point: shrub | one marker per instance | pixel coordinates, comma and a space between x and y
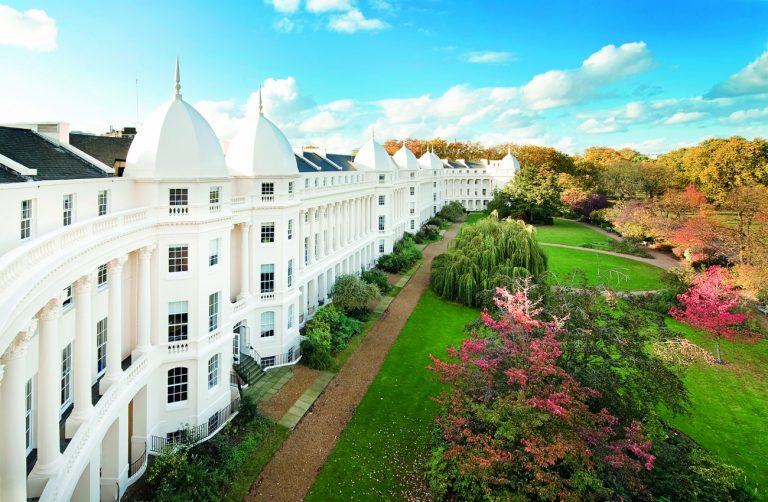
378, 278
453, 211
352, 293
340, 327
316, 347
403, 256
436, 221
427, 233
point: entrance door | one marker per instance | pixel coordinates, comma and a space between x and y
236, 347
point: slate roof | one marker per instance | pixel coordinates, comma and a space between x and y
473, 164
456, 165
52, 162
343, 161
322, 163
104, 148
304, 166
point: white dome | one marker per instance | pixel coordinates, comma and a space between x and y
430, 161
261, 149
175, 141
373, 157
510, 162
405, 159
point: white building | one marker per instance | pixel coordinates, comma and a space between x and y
126, 300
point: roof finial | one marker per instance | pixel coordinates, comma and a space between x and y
177, 86
261, 107
509, 149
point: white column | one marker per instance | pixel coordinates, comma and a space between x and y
321, 232
300, 230
13, 475
114, 324
144, 301
83, 356
312, 229
48, 390
245, 260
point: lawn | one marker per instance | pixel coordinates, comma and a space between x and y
474, 218
729, 413
615, 272
570, 233
381, 452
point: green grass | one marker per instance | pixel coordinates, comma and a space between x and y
473, 218
729, 412
622, 274
258, 458
380, 453
570, 233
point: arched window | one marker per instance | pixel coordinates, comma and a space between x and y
267, 324
177, 384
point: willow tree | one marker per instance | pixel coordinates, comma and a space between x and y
485, 255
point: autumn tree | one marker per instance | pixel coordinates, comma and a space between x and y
516, 425
709, 305
747, 203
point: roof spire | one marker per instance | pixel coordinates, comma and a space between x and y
177, 85
509, 149
261, 107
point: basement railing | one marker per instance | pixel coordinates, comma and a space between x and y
194, 435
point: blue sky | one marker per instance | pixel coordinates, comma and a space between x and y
650, 75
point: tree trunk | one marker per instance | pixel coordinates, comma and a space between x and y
717, 346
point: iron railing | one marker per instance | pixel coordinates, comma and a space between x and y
138, 464
284, 359
191, 436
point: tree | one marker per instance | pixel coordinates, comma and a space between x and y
535, 195
621, 179
351, 293
516, 425
747, 203
708, 305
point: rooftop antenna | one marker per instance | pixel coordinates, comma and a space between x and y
261, 107
177, 85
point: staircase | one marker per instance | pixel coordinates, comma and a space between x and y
248, 369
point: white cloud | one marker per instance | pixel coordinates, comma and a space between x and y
382, 5
32, 29
489, 57
317, 6
220, 115
322, 122
284, 6
354, 21
751, 114
594, 126
341, 105
685, 117
753, 79
284, 25
608, 65
634, 110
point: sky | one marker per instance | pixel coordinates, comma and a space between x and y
650, 75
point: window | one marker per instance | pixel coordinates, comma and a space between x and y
101, 346
267, 278
381, 223
317, 244
68, 299
103, 202
267, 324
306, 182
381, 246
434, 197
381, 200
382, 178
213, 311
214, 195
213, 252
178, 321
434, 184
306, 250
102, 276
178, 197
26, 219
413, 225
484, 191
28, 414
267, 190
290, 273
267, 362
178, 258
290, 187
177, 384
67, 209
290, 316
290, 229
413, 175
213, 422
213, 371
267, 232
66, 376
413, 190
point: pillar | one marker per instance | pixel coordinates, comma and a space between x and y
13, 475
312, 229
144, 301
245, 259
83, 355
114, 323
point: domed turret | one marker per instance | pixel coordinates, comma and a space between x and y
175, 141
510, 162
430, 161
405, 159
373, 157
261, 149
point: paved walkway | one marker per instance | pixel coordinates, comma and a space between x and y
268, 385
665, 261
292, 471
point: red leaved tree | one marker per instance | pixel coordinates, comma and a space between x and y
516, 424
708, 305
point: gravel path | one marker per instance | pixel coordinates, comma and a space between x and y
281, 402
291, 472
